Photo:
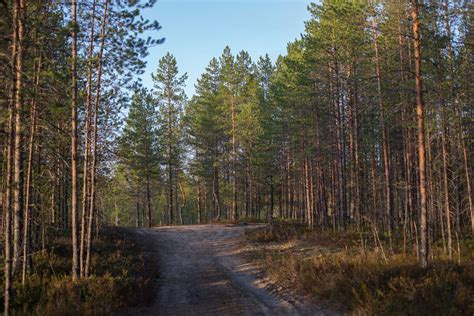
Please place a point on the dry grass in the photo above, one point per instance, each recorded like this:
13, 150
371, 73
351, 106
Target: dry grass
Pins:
334, 267
119, 279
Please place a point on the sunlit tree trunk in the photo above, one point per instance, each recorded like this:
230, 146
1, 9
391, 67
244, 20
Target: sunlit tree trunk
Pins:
87, 147
421, 138
94, 152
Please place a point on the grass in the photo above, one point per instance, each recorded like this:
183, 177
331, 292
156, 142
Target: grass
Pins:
278, 231
121, 277
335, 268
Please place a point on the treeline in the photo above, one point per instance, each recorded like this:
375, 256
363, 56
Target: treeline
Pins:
149, 172
365, 122
65, 72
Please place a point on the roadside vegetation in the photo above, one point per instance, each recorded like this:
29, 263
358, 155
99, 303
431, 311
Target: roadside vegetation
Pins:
121, 277
365, 121
359, 272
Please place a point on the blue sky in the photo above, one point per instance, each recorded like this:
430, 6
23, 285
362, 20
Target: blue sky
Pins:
197, 30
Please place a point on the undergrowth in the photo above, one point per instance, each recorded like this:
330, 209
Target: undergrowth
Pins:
277, 231
366, 280
118, 278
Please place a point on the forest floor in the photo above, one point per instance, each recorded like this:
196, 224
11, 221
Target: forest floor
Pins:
122, 275
356, 273
205, 270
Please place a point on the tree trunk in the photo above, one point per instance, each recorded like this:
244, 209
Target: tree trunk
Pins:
137, 205
27, 211
234, 214
272, 200
8, 176
385, 145
183, 196
87, 148
94, 152
215, 184
309, 217
170, 159
460, 127
75, 261
445, 179
421, 138
199, 208
18, 153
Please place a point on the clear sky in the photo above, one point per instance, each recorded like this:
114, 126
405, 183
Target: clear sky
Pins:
197, 30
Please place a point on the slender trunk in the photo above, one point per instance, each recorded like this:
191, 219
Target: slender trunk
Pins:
465, 154
421, 138
176, 196
148, 201
183, 197
385, 145
137, 205
468, 179
87, 147
94, 152
74, 209
288, 187
272, 200
341, 196
170, 160
357, 180
234, 214
199, 211
445, 179
18, 153
307, 185
116, 209
27, 211
215, 184
8, 176
406, 138
7, 271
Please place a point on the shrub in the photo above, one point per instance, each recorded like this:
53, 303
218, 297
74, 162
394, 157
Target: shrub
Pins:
365, 280
118, 279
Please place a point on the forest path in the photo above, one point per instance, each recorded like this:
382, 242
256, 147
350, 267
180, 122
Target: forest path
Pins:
203, 273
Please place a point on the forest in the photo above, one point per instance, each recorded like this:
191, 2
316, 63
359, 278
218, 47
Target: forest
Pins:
364, 128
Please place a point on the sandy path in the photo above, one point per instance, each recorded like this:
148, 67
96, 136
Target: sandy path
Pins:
202, 273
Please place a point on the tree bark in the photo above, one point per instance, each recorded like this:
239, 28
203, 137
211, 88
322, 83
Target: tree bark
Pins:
27, 211
87, 148
8, 176
94, 152
234, 214
18, 153
74, 209
421, 138
385, 145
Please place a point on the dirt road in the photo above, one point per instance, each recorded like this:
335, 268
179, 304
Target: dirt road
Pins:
202, 273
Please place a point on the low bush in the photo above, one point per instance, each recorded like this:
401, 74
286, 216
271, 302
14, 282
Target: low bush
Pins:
277, 231
367, 281
118, 279
369, 285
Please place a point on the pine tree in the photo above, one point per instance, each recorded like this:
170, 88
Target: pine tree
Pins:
139, 147
170, 96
